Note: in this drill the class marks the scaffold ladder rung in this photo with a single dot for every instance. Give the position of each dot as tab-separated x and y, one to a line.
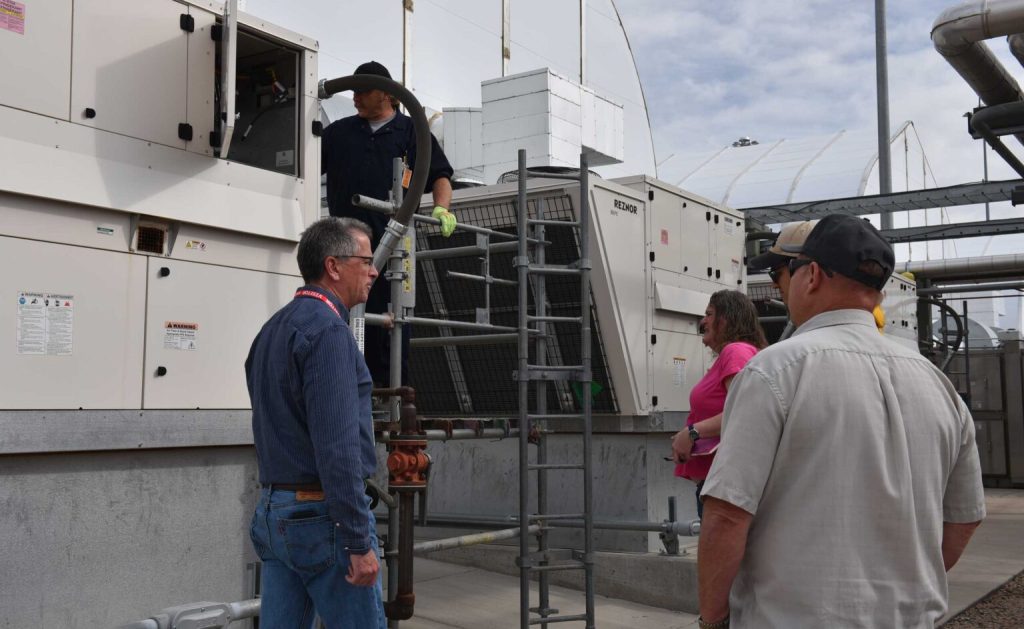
571	618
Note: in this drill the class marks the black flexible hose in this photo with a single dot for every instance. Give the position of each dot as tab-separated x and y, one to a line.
959	329
419	120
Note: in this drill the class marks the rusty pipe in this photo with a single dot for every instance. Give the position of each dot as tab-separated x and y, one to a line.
402	605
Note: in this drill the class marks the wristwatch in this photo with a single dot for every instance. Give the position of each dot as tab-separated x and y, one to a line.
694	435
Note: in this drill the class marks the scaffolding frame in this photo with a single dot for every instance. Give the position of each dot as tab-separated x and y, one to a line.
544	561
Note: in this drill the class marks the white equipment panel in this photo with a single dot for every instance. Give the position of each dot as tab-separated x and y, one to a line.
201	322
130	68
100	363
45	38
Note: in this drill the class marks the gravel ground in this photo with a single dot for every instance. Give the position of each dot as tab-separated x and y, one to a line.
1002	608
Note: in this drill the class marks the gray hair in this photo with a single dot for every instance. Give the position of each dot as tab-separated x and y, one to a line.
329	236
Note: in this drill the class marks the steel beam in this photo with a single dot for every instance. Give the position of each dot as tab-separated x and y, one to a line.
955	230
950	196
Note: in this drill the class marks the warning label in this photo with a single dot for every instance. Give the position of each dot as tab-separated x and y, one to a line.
45	323
180	335
678	371
12	16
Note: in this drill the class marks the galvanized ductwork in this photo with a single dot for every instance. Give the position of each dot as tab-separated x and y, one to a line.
958	35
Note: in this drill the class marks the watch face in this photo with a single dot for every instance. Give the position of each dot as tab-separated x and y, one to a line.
694	435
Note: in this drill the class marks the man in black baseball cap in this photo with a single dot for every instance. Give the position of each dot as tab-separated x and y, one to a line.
838	429
850	246
357	155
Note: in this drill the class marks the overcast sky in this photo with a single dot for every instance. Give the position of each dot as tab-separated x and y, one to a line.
771	69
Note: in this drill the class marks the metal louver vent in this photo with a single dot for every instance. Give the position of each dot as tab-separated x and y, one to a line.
150	239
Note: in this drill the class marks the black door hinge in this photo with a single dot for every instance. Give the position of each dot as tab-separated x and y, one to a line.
716	219
709	271
215	32
652	256
318	128
187	23
654	339
185	131
650	195
718	274
215	139
707	216
654	400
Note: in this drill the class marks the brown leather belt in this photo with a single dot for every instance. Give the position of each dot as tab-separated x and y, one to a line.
294	486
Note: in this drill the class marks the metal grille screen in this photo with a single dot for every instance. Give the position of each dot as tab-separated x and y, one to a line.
477	380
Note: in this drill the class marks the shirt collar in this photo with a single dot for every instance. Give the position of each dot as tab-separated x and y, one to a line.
837	317
330	296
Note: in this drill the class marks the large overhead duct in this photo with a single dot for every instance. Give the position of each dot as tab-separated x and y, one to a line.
982	267
958	35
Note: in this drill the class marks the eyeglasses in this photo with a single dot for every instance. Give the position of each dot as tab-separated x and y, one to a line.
776	273
367	260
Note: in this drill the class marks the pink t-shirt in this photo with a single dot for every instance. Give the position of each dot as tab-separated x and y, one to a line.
707	399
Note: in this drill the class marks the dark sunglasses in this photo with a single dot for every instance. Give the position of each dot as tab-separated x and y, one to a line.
776	273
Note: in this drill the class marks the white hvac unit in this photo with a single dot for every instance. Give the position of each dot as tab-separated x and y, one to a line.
658	253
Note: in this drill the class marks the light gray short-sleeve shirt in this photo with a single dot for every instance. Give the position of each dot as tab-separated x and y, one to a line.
850	451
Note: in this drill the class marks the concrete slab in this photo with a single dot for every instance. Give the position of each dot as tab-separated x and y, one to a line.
463	597
995	554
458	597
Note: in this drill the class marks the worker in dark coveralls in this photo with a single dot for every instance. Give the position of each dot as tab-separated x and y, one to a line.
357	154
310	390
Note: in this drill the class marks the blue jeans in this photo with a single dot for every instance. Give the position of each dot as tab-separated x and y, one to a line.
700	503
303	573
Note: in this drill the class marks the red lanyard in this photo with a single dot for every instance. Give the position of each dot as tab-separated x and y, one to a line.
316	295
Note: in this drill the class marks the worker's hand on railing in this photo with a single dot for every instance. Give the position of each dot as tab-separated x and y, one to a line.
362	569
447	219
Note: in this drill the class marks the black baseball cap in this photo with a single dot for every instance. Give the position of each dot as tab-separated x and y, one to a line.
841	243
372	67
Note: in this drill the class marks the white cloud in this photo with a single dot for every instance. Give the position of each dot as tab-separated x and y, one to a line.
715	71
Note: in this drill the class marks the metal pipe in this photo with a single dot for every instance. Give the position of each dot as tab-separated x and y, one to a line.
540	301
882	94
489	537
958	35
457	325
997	145
965	268
450	520
522	264
460	434
481	278
372	204
969	288
461	252
458	341
585	384
430	220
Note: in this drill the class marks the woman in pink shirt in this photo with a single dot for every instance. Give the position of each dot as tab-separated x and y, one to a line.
731	329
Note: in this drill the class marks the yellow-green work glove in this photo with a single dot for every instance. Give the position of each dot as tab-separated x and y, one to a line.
447	219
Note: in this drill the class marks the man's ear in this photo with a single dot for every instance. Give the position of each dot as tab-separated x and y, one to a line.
817	277
331	267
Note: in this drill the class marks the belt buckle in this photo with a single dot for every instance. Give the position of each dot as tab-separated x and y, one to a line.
309	496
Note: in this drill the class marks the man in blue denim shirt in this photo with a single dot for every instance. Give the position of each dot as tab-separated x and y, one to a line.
310	390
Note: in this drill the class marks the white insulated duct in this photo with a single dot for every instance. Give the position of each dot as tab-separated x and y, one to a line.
966	268
958	35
